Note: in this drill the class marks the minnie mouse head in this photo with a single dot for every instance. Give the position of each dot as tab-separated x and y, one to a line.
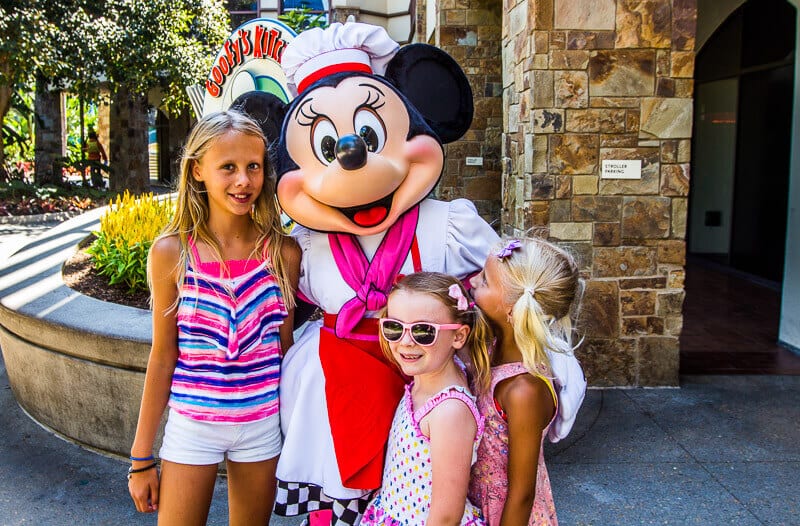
362	142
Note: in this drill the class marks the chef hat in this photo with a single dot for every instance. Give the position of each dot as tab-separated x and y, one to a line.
317	53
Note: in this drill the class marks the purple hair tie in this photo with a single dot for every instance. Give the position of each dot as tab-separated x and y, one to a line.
509	249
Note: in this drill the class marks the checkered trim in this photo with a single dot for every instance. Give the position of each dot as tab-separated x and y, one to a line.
294	498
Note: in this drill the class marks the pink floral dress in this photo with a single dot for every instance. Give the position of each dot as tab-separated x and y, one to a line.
489	482
405	494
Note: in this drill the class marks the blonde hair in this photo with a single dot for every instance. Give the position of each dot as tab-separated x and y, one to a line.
437	285
192	210
542	283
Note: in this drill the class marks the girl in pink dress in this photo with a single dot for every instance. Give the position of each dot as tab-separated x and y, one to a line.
527	291
436	428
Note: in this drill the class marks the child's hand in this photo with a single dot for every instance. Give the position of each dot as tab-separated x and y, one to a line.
143	488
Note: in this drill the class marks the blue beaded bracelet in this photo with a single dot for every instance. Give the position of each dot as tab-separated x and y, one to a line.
151	457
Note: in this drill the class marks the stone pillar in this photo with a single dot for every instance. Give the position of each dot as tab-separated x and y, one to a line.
50	143
592	80
128	143
469	30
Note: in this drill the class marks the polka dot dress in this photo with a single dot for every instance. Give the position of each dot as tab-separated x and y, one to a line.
405	495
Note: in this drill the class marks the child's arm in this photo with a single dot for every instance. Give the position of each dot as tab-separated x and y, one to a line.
290	254
451	428
164	258
529	407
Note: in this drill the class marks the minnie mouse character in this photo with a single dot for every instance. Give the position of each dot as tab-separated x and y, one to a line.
360	151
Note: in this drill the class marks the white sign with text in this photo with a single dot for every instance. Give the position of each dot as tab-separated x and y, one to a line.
627	169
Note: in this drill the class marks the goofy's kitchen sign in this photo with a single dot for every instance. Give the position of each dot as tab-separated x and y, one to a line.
249	60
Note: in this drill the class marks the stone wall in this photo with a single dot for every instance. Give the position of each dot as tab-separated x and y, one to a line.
469	30
584	81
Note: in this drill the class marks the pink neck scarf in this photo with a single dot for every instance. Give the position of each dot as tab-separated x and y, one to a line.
371	280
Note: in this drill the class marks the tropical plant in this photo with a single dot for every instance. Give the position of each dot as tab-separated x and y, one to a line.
18	127
27	42
126	233
302	19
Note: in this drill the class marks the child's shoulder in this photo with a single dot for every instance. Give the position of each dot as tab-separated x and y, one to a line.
166	247
452	404
523	389
165	256
528	396
290	251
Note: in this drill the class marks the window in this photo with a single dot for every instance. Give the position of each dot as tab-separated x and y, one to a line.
315	6
241	11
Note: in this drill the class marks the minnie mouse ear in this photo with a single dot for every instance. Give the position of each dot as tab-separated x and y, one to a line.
264	108
436	86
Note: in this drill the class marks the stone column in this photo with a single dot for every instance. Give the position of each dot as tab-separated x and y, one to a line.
592	80
128	143
50	143
469	30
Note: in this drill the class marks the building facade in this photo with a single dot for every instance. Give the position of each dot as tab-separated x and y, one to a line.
562	86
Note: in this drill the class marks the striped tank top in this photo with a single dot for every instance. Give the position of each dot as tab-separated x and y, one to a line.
229	353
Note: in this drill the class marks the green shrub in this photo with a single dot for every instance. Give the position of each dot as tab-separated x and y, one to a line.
127	230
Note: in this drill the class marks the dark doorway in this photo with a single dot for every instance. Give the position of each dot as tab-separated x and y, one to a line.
741	149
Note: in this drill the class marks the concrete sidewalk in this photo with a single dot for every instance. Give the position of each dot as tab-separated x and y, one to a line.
719	450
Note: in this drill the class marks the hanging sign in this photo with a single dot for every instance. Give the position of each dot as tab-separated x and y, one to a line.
250	60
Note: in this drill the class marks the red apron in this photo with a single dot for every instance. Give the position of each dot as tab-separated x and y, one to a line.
363	397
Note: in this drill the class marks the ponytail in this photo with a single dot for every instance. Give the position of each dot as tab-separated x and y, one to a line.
535	332
543	286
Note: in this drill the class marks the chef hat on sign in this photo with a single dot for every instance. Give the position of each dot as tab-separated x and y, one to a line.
317	53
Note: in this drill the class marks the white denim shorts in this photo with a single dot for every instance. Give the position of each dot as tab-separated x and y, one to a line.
198	443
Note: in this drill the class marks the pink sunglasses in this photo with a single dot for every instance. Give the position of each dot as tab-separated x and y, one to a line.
422	332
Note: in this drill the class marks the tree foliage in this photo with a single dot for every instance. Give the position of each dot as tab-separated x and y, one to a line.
126	46
165	44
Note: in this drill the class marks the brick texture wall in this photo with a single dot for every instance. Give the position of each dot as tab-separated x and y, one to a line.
585	81
469	30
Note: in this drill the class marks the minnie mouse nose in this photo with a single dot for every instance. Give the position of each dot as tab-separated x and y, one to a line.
351	151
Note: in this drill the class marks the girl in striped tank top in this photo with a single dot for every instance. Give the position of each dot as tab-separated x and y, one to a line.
222	278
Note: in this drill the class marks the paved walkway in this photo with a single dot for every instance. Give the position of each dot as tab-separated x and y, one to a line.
719	450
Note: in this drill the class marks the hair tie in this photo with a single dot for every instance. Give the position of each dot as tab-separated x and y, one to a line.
509	249
530	290
455	292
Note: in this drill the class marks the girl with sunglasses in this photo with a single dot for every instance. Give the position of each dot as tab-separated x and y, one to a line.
528	290
436	428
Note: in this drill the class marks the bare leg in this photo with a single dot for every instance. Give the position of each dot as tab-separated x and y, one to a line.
185	494
251	492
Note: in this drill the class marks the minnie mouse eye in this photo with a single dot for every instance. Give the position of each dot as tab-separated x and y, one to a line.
323	141
370	128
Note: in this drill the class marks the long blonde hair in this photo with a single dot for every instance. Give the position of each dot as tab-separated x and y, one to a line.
192	210
542	283
479	338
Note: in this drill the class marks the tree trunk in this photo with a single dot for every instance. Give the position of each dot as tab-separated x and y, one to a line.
128	154
5	105
49	147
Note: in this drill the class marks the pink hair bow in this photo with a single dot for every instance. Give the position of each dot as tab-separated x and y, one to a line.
509	249
461	301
